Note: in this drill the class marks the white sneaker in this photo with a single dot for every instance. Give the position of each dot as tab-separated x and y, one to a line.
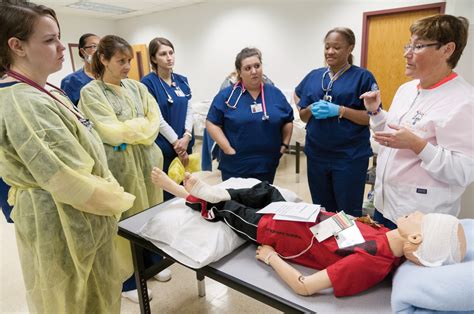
164	275
132	295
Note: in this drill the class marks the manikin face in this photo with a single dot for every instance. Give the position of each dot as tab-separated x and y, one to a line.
43	52
336	50
409	227
164	57
251	72
118	66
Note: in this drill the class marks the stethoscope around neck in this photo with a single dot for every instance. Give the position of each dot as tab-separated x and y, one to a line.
239	84
175	86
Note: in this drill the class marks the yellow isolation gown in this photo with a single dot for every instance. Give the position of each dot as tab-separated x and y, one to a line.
127	114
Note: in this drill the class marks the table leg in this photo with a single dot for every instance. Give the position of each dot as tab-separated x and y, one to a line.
201	284
139	267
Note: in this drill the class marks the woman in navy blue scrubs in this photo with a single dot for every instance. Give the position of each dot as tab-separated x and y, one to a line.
172	92
251	122
73	83
337	131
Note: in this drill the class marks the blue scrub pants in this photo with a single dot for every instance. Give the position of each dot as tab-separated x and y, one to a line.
266	176
378	217
338	184
6	208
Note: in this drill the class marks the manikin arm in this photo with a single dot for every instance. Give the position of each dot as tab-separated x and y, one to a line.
303	285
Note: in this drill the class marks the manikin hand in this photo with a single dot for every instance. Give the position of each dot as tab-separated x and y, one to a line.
263	252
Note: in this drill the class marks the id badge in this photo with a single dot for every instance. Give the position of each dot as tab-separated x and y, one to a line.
327	98
255	108
179	92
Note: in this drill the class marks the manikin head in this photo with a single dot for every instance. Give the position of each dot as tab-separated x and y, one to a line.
432	239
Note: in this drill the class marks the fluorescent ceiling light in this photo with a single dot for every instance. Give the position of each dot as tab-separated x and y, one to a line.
100	7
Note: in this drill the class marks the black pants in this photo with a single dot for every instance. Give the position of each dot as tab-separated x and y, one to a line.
240	212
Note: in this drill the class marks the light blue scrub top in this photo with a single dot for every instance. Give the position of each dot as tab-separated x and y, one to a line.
73	83
257	142
173	113
335	138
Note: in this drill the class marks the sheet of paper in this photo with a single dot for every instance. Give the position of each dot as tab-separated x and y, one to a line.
298	210
291	218
349	237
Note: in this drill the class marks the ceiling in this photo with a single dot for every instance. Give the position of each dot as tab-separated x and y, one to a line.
139	7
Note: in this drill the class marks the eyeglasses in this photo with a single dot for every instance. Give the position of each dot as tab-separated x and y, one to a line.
90	47
416	48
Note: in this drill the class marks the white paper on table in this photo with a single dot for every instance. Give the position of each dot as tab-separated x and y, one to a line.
299	210
349	237
291	218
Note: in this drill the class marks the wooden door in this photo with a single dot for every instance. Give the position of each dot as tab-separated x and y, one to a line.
140	65
386	34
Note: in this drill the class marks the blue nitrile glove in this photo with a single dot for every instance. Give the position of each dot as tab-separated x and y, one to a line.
323	109
122	147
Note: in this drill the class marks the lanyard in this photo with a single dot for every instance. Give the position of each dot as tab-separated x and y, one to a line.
33	84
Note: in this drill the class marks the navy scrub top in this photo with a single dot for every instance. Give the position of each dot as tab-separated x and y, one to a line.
73	83
257	142
335	138
173	113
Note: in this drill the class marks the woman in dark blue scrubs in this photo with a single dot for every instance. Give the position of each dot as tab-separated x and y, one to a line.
172	92
73	83
337	131
251	122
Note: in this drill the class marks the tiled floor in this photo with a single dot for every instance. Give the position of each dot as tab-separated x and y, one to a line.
176	296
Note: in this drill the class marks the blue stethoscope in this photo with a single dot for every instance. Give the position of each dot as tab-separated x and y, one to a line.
176	87
240	85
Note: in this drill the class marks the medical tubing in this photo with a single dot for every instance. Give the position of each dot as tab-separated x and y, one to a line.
299	254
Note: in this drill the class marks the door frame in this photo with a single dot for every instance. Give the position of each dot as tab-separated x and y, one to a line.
365	22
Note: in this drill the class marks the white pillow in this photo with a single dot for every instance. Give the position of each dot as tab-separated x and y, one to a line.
190	239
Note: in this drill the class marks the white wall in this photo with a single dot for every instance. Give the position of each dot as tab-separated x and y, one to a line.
208	36
72	27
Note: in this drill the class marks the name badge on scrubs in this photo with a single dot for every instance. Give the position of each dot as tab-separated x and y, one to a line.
256	108
179	92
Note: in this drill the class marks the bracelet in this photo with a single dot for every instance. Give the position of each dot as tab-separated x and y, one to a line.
188	134
343	110
374	113
285	145
267	259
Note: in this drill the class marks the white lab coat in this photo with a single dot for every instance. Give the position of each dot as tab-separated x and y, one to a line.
434	180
